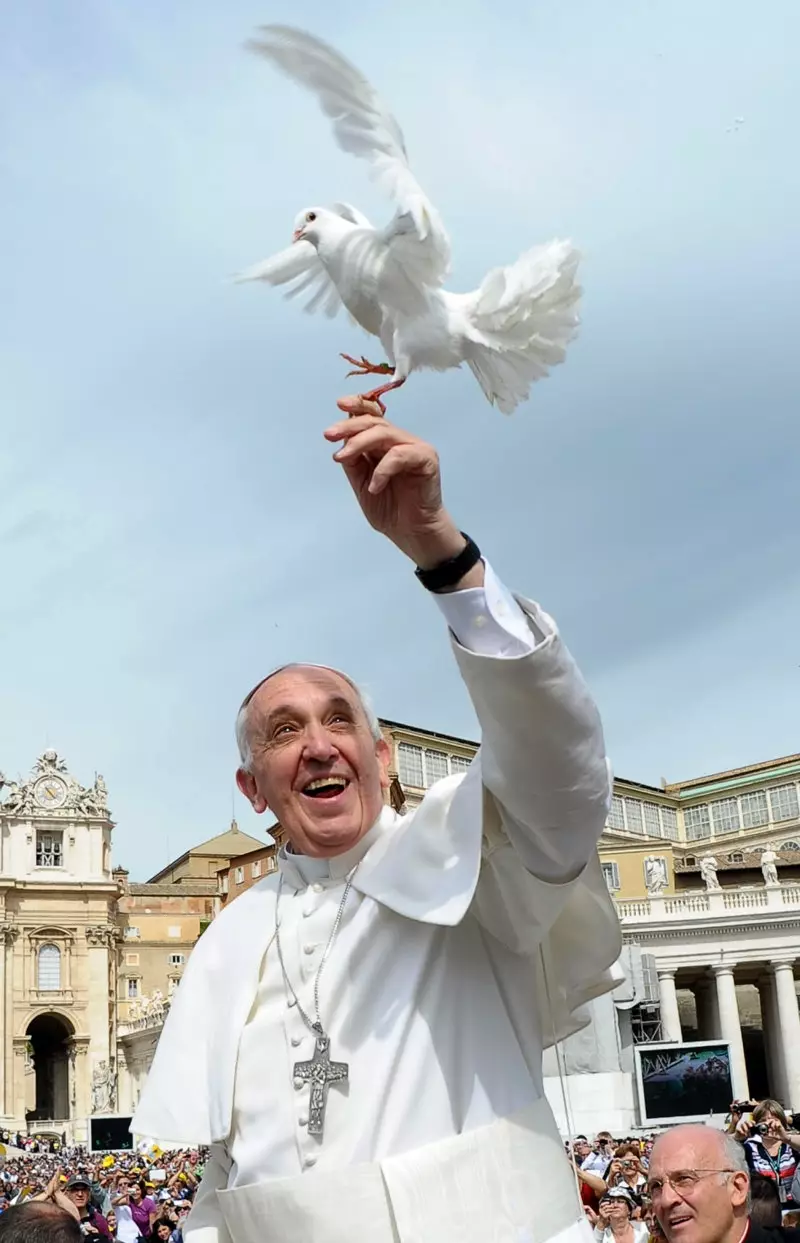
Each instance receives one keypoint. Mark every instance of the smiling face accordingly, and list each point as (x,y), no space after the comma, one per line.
(714,1208)
(314,762)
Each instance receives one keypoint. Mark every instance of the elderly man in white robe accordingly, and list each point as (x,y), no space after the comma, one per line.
(359,1037)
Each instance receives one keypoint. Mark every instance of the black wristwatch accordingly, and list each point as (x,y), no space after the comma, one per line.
(450,572)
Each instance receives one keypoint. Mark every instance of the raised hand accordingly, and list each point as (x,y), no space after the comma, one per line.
(397,482)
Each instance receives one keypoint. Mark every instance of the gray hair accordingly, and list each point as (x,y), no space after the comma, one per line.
(241,727)
(734,1154)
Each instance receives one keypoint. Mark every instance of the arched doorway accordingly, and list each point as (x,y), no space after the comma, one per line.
(49,1036)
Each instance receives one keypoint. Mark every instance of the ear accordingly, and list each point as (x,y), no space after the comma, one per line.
(247,786)
(740,1187)
(384,755)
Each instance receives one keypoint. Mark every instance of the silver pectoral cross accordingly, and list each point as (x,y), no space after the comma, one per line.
(320,1072)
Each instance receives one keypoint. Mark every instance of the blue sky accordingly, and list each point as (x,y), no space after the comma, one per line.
(171,523)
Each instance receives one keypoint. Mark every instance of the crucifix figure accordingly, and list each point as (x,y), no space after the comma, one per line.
(320,1072)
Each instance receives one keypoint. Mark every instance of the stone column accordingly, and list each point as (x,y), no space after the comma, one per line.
(670,1015)
(730,1029)
(770,1033)
(789,1030)
(8,1064)
(705,998)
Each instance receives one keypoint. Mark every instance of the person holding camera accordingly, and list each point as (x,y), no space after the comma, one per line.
(771,1148)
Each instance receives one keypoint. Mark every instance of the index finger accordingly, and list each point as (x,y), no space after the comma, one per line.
(348,428)
(357,405)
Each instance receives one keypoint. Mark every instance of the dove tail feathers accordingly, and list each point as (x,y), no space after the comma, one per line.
(522,319)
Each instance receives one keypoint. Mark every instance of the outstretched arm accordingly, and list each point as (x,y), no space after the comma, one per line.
(542,754)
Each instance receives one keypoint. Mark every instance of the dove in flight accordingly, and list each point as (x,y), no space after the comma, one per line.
(509,331)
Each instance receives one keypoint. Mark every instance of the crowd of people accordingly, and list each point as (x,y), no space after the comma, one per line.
(616,1185)
(129,1197)
(60,1195)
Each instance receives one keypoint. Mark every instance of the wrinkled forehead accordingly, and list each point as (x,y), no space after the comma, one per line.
(697,1148)
(280,680)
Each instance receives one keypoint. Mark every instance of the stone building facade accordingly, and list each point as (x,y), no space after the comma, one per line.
(87,959)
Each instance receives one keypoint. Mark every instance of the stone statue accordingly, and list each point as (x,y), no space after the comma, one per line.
(102,1088)
(19,798)
(708,872)
(655,874)
(768,866)
(100,791)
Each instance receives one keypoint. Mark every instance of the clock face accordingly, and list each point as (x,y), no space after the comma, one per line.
(50,792)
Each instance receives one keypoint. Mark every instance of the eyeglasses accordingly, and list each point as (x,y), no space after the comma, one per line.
(682,1181)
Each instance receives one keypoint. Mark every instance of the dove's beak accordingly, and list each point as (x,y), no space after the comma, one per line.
(298,233)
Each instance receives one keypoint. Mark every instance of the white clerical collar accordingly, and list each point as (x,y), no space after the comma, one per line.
(300,870)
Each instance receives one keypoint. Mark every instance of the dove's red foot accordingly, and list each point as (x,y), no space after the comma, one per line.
(377,393)
(364,367)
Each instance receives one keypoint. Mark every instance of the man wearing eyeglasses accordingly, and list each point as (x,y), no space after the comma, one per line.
(699,1184)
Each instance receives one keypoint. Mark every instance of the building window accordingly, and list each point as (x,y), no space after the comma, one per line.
(633,815)
(790,846)
(669,819)
(49,848)
(272,863)
(697,821)
(754,809)
(177,960)
(131,960)
(725,812)
(611,875)
(132,933)
(48,969)
(736,857)
(421,768)
(174,931)
(240,876)
(616,815)
(409,761)
(652,820)
(255,868)
(435,766)
(133,989)
(783,801)
(690,861)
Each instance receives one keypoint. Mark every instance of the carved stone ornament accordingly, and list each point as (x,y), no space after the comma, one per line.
(51,791)
(103,934)
(8,933)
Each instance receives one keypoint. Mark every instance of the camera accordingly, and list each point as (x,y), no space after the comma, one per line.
(743,1107)
(761,1128)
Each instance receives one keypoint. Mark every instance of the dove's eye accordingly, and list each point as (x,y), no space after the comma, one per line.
(311,216)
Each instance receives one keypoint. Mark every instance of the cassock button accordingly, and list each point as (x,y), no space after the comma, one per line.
(303,1121)
(310,1159)
(298,1083)
(290,1001)
(296,1040)
(316,887)
(480,621)
(309,949)
(308,911)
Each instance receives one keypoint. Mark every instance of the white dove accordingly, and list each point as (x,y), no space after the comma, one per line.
(508,332)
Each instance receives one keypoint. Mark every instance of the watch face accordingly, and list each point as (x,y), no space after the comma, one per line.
(50,792)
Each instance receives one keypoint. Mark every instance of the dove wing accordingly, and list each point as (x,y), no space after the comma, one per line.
(300,268)
(415,247)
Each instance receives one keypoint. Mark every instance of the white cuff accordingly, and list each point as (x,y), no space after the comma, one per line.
(488,621)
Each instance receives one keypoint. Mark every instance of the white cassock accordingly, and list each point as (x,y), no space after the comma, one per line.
(476,927)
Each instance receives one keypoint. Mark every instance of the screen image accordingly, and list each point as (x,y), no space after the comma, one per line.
(684,1082)
(110,1134)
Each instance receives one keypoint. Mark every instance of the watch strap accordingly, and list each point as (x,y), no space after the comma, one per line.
(450,572)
